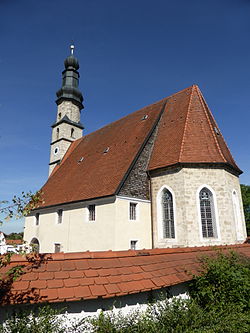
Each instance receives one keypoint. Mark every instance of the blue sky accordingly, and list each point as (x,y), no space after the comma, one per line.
(131,54)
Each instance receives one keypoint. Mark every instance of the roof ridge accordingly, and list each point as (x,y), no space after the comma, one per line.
(143,145)
(204,101)
(61,256)
(68,152)
(181,91)
(140,109)
(209,122)
(126,116)
(185,126)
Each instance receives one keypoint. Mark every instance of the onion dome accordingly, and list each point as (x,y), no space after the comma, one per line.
(70,82)
(71,61)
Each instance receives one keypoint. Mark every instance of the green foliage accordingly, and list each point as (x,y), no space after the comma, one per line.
(218,303)
(175,316)
(14,235)
(225,280)
(245,191)
(20,206)
(43,320)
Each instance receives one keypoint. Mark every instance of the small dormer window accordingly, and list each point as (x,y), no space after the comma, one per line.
(80,159)
(106,150)
(216,131)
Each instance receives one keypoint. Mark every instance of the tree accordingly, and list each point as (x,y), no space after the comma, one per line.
(245,191)
(14,235)
(19,206)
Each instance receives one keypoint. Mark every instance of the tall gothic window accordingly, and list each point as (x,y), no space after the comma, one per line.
(237,216)
(167,214)
(207,213)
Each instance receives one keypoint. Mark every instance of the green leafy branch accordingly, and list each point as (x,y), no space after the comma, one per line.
(20,206)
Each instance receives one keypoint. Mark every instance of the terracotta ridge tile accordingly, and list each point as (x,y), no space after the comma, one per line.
(179,92)
(186,120)
(143,144)
(70,149)
(210,125)
(130,114)
(205,103)
(76,256)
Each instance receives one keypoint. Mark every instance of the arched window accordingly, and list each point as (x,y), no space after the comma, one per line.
(34,244)
(167,214)
(59,115)
(72,132)
(237,216)
(207,212)
(57,133)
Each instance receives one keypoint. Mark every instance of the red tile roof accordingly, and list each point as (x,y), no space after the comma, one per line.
(187,133)
(99,174)
(74,276)
(14,241)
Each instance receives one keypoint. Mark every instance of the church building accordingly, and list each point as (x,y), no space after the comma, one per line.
(160,177)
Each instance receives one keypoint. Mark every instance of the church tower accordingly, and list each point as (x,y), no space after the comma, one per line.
(67,127)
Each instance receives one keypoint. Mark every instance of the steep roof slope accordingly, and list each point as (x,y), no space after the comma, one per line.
(97,163)
(188,133)
(63,277)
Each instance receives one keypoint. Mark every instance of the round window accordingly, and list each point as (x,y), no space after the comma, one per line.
(56,151)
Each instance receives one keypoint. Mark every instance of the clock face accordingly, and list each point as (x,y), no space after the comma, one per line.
(56,151)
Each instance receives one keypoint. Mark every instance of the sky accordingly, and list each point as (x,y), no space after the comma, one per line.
(131,54)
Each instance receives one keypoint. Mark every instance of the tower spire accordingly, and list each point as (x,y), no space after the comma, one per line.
(70,81)
(67,127)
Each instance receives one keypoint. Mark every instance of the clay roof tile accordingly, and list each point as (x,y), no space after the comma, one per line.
(164,267)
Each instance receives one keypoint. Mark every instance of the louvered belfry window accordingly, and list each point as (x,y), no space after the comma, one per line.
(207,213)
(167,214)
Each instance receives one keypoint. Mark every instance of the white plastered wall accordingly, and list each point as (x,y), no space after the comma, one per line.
(185,184)
(111,230)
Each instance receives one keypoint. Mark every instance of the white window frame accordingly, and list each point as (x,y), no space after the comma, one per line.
(136,211)
(237,216)
(160,214)
(216,215)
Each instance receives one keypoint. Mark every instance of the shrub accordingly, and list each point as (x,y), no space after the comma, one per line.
(219,302)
